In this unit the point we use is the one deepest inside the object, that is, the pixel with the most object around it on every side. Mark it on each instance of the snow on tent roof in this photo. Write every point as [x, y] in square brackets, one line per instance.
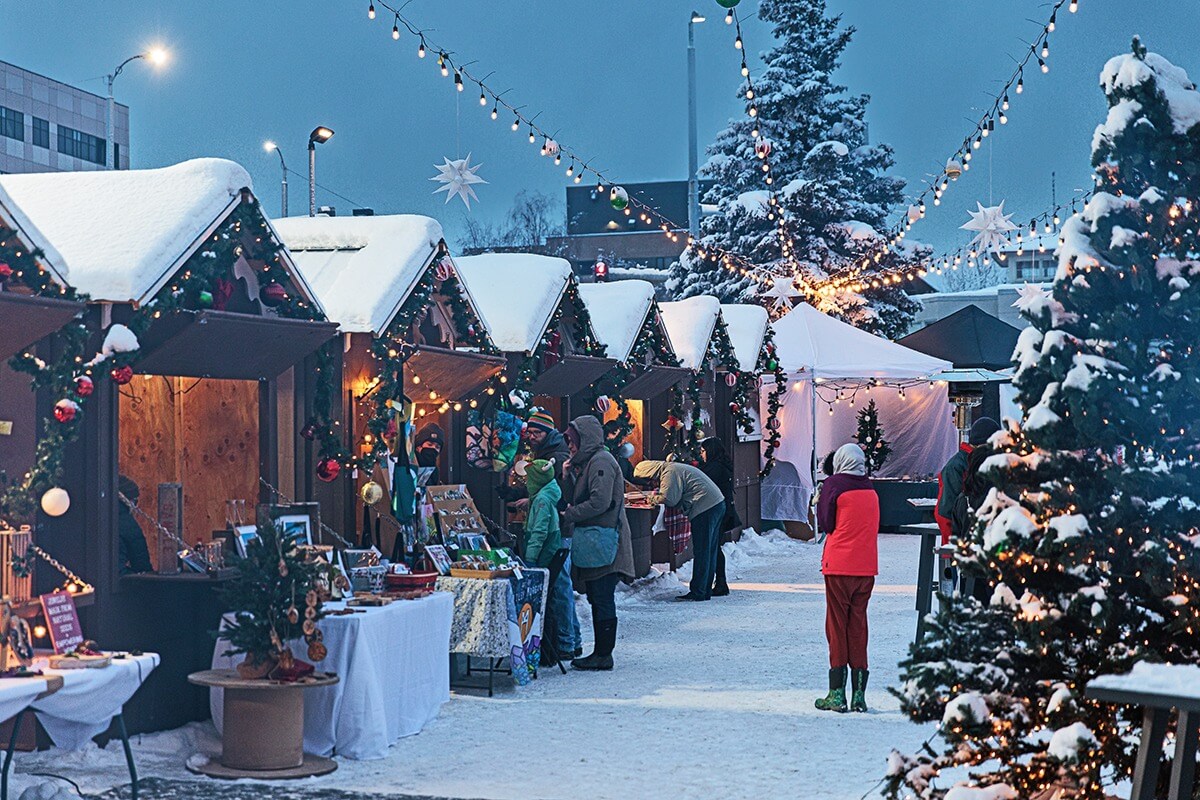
[361, 268]
[618, 311]
[747, 325]
[122, 233]
[823, 347]
[690, 325]
[516, 294]
[13, 217]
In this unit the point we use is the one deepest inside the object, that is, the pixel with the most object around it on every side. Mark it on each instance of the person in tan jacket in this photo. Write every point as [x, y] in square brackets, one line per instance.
[685, 487]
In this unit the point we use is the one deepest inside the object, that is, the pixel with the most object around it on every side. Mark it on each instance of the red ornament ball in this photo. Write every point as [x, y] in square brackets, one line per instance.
[5, 271]
[84, 386]
[65, 410]
[735, 407]
[122, 375]
[731, 379]
[328, 469]
[773, 423]
[272, 294]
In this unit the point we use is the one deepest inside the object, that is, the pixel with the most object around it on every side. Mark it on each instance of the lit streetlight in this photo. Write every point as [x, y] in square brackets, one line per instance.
[319, 135]
[155, 55]
[270, 147]
[693, 155]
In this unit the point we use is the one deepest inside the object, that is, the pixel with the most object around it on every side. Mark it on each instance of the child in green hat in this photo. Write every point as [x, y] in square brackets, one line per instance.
[543, 535]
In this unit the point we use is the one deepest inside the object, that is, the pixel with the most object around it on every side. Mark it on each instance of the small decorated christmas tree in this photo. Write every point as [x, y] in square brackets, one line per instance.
[1087, 540]
[870, 438]
[275, 601]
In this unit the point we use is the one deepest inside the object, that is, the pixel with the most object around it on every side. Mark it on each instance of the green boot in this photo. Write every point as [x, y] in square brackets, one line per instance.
[858, 682]
[836, 699]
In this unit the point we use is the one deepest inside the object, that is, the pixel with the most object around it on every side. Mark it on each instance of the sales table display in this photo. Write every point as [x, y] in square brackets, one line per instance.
[392, 663]
[89, 698]
[500, 618]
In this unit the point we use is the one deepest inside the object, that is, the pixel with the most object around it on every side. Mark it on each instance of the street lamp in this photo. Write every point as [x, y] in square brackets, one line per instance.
[693, 156]
[270, 147]
[155, 55]
[319, 135]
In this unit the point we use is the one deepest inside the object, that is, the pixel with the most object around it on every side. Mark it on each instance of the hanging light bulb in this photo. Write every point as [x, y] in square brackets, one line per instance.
[985, 130]
[532, 138]
[516, 123]
[579, 177]
[1046, 47]
[753, 111]
[1056, 220]
[458, 81]
[1053, 21]
[1004, 103]
[1020, 83]
[557, 159]
[442, 64]
[1074, 6]
[396, 29]
[729, 17]
[745, 69]
[495, 112]
[421, 48]
[1003, 118]
[571, 169]
[737, 43]
[750, 94]
[482, 98]
[371, 11]
[1045, 67]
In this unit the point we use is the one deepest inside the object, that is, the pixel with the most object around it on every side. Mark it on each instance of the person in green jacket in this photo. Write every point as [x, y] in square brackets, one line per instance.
[543, 538]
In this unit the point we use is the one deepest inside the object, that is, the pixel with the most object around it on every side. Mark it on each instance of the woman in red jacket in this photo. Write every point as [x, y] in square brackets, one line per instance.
[848, 512]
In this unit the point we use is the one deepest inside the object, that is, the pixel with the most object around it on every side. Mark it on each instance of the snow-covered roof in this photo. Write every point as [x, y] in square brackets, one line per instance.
[516, 294]
[13, 217]
[618, 311]
[121, 234]
[362, 268]
[747, 325]
[690, 325]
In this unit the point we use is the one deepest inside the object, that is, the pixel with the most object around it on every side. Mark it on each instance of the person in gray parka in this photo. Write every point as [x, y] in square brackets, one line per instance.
[686, 488]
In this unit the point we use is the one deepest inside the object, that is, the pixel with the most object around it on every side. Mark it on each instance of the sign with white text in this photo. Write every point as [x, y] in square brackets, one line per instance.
[63, 621]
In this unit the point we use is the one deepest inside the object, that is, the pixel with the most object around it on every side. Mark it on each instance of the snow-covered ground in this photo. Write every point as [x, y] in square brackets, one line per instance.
[707, 700]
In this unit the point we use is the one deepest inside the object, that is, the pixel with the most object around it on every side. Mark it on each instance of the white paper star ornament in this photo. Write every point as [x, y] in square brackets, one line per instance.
[991, 226]
[1031, 297]
[456, 178]
[780, 294]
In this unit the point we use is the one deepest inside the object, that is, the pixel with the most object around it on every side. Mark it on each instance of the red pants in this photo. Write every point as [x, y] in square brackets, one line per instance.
[846, 598]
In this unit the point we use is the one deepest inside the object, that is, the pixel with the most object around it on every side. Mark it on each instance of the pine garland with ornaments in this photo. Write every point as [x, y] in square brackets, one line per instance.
[650, 348]
[768, 362]
[1088, 537]
[724, 357]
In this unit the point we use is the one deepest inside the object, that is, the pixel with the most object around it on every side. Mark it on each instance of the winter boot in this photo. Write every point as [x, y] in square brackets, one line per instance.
[858, 683]
[836, 699]
[601, 657]
[720, 585]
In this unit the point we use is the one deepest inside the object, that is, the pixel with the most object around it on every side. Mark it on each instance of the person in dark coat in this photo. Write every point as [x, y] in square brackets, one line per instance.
[132, 554]
[952, 477]
[718, 466]
[545, 444]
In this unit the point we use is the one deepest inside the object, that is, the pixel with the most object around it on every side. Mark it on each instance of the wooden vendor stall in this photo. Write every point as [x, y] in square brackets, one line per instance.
[533, 311]
[194, 308]
[410, 331]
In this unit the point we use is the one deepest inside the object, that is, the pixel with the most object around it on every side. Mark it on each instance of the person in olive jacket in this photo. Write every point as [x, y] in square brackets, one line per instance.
[718, 466]
[598, 499]
[686, 488]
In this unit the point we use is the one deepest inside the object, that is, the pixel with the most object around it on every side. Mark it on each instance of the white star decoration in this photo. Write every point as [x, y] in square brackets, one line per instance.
[1031, 296]
[457, 177]
[991, 226]
[781, 293]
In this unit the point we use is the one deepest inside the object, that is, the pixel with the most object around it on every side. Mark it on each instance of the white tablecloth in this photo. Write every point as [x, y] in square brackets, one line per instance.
[17, 694]
[394, 667]
[90, 698]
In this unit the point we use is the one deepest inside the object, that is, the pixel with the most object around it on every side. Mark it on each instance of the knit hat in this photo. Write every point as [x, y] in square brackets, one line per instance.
[982, 430]
[430, 433]
[538, 474]
[542, 420]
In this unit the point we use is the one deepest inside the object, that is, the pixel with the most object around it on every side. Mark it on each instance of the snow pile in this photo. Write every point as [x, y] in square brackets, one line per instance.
[1181, 680]
[516, 295]
[1013, 522]
[1061, 696]
[967, 709]
[119, 339]
[362, 269]
[654, 588]
[121, 234]
[860, 231]
[747, 325]
[1066, 743]
[998, 791]
[753, 548]
[47, 790]
[690, 324]
[618, 311]
[753, 203]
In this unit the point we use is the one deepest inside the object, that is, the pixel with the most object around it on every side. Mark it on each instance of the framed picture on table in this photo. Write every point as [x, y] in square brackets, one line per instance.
[439, 558]
[243, 535]
[296, 528]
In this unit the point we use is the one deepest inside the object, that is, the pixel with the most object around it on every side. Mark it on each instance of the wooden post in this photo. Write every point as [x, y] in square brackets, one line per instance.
[1145, 772]
[1183, 767]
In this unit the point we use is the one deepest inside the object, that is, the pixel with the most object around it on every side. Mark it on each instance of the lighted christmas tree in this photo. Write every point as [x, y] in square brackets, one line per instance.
[830, 182]
[1088, 538]
[870, 438]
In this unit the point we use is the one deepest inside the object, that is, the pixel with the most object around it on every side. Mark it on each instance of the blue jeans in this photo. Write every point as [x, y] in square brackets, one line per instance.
[706, 540]
[562, 602]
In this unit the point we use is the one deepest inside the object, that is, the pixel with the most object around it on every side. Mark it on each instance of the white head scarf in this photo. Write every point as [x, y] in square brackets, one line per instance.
[850, 460]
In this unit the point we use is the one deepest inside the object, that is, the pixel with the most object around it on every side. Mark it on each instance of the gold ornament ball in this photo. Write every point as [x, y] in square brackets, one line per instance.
[371, 493]
[55, 502]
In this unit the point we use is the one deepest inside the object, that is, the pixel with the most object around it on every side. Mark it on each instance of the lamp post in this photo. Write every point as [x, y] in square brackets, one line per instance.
[693, 156]
[270, 146]
[156, 56]
[319, 135]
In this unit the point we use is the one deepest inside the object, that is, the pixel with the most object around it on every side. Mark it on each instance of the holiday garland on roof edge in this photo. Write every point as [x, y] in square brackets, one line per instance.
[650, 348]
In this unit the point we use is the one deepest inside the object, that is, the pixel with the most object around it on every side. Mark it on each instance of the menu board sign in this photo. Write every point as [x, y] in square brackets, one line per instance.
[63, 621]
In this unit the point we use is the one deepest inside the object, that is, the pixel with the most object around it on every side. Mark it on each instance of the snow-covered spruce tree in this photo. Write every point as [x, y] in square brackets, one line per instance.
[1089, 538]
[831, 183]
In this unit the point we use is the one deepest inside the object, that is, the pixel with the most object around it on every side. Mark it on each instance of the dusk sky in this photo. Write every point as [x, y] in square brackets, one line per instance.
[609, 77]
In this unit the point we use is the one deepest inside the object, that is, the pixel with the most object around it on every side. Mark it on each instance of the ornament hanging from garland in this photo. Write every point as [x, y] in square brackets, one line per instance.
[734, 408]
[762, 148]
[65, 410]
[272, 295]
[913, 214]
[728, 3]
[603, 404]
[309, 431]
[954, 169]
[457, 177]
[371, 493]
[84, 386]
[731, 379]
[443, 270]
[991, 226]
[551, 148]
[122, 375]
[5, 272]
[55, 502]
[619, 198]
[328, 469]
[673, 423]
[205, 298]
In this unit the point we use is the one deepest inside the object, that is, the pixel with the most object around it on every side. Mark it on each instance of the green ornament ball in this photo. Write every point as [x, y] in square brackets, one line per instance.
[772, 365]
[619, 198]
[728, 3]
[206, 299]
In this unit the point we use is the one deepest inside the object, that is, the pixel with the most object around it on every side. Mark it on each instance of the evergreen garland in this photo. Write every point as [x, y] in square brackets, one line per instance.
[769, 362]
[650, 348]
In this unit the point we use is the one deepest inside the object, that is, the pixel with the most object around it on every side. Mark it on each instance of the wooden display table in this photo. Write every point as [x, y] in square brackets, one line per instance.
[263, 734]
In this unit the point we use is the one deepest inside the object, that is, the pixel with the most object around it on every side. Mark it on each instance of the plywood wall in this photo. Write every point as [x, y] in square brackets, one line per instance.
[202, 434]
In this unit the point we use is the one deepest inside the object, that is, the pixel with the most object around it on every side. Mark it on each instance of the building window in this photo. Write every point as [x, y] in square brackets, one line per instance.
[12, 124]
[116, 155]
[41, 132]
[81, 145]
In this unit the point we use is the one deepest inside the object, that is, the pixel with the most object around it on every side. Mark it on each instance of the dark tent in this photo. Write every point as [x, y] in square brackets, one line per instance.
[969, 338]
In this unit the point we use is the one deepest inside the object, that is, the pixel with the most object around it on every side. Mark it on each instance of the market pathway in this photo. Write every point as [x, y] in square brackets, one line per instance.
[708, 700]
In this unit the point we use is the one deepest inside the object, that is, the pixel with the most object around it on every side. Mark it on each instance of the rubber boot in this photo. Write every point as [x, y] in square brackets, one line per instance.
[836, 699]
[858, 683]
[720, 585]
[601, 657]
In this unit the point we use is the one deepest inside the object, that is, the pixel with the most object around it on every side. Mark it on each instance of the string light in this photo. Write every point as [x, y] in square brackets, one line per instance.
[371, 11]
[396, 29]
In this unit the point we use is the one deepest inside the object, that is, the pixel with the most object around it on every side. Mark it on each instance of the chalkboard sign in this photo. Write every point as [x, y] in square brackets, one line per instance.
[63, 621]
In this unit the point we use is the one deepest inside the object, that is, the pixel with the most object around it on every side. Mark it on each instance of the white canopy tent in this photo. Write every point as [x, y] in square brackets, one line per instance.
[825, 358]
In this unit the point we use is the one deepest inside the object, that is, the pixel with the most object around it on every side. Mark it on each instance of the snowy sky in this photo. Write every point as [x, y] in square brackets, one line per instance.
[609, 76]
